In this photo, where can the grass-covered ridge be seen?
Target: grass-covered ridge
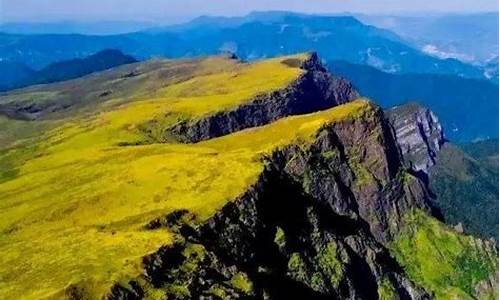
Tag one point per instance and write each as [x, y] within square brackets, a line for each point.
[161, 90]
[449, 264]
[75, 200]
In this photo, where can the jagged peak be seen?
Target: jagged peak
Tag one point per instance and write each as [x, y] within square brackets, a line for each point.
[308, 61]
[313, 62]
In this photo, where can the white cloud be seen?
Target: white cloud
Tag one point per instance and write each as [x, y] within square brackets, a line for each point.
[439, 53]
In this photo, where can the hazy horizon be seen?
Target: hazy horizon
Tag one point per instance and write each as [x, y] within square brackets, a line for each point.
[175, 11]
[181, 19]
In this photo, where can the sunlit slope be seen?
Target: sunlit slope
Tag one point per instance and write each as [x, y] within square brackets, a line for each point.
[154, 94]
[187, 88]
[449, 264]
[74, 199]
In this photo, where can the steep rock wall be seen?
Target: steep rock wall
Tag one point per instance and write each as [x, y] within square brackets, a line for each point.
[418, 133]
[314, 90]
[314, 225]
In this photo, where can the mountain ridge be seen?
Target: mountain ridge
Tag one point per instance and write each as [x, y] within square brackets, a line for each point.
[366, 44]
[69, 69]
[318, 204]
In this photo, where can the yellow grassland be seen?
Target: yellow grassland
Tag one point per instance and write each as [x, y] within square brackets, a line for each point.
[74, 201]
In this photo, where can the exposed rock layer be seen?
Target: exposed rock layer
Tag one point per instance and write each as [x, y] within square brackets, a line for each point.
[314, 90]
[313, 226]
[418, 134]
[465, 190]
[319, 222]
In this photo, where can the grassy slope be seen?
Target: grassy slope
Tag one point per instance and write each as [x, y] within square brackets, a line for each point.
[449, 264]
[184, 80]
[467, 190]
[74, 203]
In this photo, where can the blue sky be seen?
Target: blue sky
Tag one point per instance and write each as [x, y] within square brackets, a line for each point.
[179, 10]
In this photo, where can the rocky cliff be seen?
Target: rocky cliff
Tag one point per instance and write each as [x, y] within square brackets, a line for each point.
[325, 220]
[314, 226]
[316, 89]
[465, 190]
[418, 134]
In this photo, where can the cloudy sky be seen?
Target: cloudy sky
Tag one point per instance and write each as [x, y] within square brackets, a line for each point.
[178, 10]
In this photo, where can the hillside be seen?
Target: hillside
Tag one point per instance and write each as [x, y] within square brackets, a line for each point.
[467, 108]
[467, 190]
[256, 36]
[11, 72]
[485, 151]
[63, 70]
[220, 179]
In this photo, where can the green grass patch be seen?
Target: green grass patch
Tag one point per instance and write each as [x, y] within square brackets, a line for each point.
[443, 261]
[241, 283]
[386, 290]
[330, 264]
[326, 272]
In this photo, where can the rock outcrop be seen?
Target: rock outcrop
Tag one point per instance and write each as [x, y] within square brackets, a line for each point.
[316, 89]
[322, 220]
[313, 227]
[418, 134]
[465, 190]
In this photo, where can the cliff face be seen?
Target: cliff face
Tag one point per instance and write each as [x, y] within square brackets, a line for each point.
[465, 189]
[418, 133]
[339, 217]
[328, 220]
[314, 226]
[316, 89]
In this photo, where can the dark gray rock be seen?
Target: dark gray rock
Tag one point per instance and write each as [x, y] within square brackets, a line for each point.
[418, 134]
[314, 90]
[133, 291]
[314, 226]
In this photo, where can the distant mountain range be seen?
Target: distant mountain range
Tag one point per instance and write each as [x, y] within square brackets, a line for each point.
[13, 72]
[467, 108]
[17, 75]
[257, 35]
[381, 64]
[471, 38]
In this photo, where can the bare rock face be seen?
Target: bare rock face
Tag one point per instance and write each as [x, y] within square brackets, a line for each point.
[317, 224]
[314, 226]
[320, 221]
[314, 90]
[418, 133]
